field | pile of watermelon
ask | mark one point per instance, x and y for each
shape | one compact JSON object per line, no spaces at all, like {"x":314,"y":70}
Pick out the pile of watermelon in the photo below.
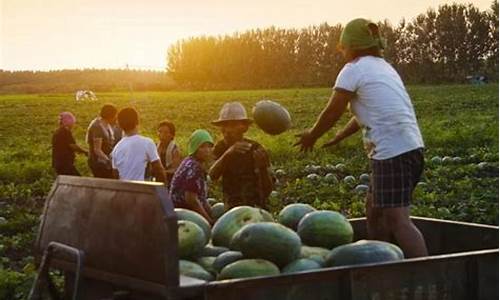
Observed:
{"x":248,"y":242}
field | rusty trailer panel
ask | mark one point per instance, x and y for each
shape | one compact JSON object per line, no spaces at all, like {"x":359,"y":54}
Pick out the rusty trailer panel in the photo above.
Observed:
{"x":128,"y":232}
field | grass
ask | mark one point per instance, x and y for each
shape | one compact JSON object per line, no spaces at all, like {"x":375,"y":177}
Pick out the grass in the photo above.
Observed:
{"x":456,"y":120}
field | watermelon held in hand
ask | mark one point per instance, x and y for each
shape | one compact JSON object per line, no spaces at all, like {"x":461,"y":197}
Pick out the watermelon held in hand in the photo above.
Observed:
{"x":248,"y":268}
{"x":271,"y":117}
{"x":363,"y":252}
{"x":325,"y":229}
{"x":191,"y":237}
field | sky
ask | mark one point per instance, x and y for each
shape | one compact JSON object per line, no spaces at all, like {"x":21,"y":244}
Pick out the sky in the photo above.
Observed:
{"x":76,"y":34}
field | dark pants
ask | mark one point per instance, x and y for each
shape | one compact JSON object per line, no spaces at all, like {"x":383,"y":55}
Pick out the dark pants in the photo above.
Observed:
{"x":67,"y":170}
{"x":100,"y":170}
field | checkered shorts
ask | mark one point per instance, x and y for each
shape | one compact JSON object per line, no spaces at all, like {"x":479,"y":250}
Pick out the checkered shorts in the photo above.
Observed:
{"x":393,"y":180}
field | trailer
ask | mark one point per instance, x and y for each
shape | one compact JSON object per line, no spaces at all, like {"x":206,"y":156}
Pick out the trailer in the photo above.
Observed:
{"x":118,"y":240}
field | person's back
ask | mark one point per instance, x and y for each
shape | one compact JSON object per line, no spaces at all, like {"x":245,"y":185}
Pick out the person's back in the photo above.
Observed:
{"x":381,"y":105}
{"x":131,"y":155}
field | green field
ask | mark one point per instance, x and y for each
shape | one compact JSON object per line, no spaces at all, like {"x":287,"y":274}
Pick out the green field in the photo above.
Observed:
{"x":456,"y":120}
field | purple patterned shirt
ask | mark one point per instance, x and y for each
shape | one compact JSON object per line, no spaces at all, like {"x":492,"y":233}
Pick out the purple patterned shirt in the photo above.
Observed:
{"x":189,"y":177}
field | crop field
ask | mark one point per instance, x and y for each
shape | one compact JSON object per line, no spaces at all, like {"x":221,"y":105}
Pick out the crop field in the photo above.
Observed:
{"x":458,"y":121}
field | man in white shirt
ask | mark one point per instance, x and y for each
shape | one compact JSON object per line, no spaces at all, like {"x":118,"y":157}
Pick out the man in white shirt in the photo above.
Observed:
{"x":383,"y":110}
{"x":131,"y":155}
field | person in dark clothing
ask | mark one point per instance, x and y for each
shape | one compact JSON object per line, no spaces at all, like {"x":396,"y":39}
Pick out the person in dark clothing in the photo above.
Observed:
{"x":101,"y":140}
{"x":64,"y":146}
{"x":242,"y":163}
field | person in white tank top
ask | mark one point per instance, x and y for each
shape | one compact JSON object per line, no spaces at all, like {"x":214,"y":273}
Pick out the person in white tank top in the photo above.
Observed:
{"x":382,"y":109}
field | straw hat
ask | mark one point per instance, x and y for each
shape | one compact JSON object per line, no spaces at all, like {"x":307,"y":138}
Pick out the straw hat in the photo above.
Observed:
{"x":232,"y":111}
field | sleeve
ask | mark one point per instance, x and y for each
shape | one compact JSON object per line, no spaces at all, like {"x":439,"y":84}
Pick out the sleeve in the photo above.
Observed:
{"x":151,"y":151}
{"x":348,"y":79}
{"x":113,"y":159}
{"x":96,"y":131}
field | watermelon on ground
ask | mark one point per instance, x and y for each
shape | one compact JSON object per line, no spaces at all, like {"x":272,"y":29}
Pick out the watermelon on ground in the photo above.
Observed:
{"x":291,"y":214}
{"x":191,"y":269}
{"x":191,"y":237}
{"x":189,"y":215}
{"x":232,"y":221}
{"x":363,"y":252}
{"x":248,"y":268}
{"x":270,"y":241}
{"x":324,"y":228}
{"x":271,"y":117}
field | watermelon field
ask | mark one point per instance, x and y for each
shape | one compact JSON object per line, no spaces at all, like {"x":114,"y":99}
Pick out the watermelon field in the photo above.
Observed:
{"x":459,"y":124}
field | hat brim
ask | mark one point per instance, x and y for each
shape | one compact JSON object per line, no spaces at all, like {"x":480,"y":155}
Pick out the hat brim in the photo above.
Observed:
{"x":222,"y":122}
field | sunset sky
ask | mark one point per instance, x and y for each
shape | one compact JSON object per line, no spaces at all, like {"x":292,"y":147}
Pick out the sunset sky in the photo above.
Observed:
{"x":69,"y":34}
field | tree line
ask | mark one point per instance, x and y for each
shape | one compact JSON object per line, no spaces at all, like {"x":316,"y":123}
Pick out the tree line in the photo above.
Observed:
{"x":438,"y":46}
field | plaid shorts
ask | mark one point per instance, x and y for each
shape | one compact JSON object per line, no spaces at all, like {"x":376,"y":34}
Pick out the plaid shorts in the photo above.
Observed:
{"x":393,"y":180}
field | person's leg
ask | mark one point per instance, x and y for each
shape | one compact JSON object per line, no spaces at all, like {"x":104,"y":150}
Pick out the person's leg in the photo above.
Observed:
{"x":408,"y":237}
{"x":375,"y":224}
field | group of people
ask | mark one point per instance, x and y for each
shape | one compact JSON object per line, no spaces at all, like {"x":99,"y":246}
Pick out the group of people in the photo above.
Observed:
{"x":118,"y":151}
{"x":367,"y":85}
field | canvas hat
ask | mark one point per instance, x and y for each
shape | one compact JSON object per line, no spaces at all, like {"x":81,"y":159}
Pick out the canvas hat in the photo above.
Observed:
{"x":232,"y":111}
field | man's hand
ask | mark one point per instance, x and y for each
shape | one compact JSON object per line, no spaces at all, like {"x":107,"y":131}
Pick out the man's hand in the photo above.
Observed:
{"x":306,"y":141}
{"x":261,"y":159}
{"x":240,"y":147}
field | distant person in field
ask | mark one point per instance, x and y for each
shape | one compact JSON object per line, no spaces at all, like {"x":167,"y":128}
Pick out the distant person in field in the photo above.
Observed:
{"x":168,"y":150}
{"x":101,"y":140}
{"x":189,"y":185}
{"x":243,"y":164}
{"x":134,"y":151}
{"x":64,"y":146}
{"x":383,"y":110}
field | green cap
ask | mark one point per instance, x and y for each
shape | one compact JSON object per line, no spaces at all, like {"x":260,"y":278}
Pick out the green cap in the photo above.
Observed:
{"x":197,"y":139}
{"x":361,"y":34}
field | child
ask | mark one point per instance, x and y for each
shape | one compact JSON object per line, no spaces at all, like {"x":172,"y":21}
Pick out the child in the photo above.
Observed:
{"x":131,"y":155}
{"x":189,"y":185}
{"x":170,"y":155}
{"x":64,"y":146}
{"x":242,"y":163}
{"x":391,"y":136}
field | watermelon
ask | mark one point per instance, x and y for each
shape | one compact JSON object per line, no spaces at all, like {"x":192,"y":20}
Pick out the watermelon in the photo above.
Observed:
{"x":212,"y":201}
{"x":189,"y":215}
{"x":364,"y":178}
{"x":436,"y":160}
{"x":317,"y":254}
{"x":191,"y":269}
{"x":361,"y":189}
{"x":230,"y":222}
{"x":363,"y":252}
{"x":268,"y":217}
{"x":211,"y":250}
{"x":301,"y":264}
{"x":218,"y":210}
{"x":226,"y":258}
{"x":349,"y":179}
{"x":271,"y":117}
{"x":248,"y":268}
{"x":291,"y":214}
{"x":270,"y":241}
{"x":191,"y":237}
{"x":331,"y":178}
{"x":325,"y":229}
{"x":207,"y":263}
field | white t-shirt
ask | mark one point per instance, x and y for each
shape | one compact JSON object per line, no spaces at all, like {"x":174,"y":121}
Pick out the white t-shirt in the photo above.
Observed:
{"x":131,"y":155}
{"x":381,"y":106}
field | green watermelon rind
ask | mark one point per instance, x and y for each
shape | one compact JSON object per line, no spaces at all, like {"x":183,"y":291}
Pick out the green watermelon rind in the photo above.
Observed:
{"x":247,"y":268}
{"x":363,"y":252}
{"x":194,"y":270}
{"x":191,"y":238}
{"x":301,"y":265}
{"x":291,"y":214}
{"x":189,"y":215}
{"x":326,"y":229}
